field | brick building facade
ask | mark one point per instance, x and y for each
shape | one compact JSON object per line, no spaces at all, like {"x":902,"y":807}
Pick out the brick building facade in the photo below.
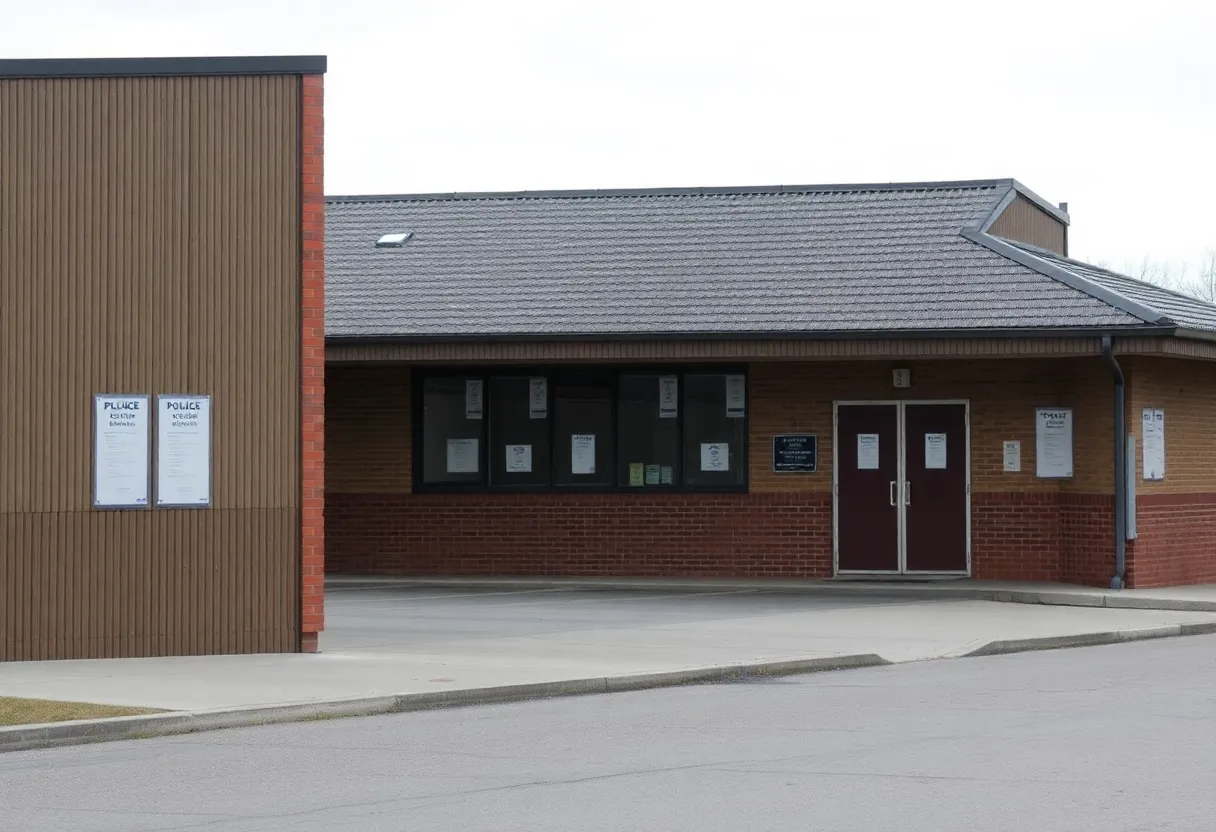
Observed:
{"x":816,"y":297}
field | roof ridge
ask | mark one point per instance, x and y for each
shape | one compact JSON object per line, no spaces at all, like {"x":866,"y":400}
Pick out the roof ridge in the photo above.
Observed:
{"x":729,"y":190}
{"x":1037,"y":262}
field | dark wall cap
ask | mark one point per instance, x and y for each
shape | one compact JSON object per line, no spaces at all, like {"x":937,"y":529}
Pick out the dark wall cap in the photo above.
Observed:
{"x":153,"y":67}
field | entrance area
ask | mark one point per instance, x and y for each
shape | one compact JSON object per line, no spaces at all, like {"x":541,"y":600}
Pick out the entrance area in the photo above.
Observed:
{"x":902,"y":487}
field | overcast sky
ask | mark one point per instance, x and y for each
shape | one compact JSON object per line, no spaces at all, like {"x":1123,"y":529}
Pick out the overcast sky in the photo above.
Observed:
{"x":1110,"y":106}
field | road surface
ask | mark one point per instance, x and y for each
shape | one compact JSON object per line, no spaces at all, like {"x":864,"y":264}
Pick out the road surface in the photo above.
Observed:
{"x":1107,"y":738}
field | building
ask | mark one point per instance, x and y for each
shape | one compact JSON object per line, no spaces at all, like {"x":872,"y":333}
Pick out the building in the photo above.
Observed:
{"x":759,"y":382}
{"x":161,"y":356}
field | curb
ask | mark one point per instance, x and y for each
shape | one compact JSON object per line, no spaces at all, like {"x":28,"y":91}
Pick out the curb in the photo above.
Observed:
{"x":49,"y":735}
{"x":1025,"y":645}
{"x":895,"y":589}
{"x":26,"y":737}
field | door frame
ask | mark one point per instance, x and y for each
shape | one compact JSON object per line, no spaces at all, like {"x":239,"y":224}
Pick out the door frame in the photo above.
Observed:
{"x":901,"y":460}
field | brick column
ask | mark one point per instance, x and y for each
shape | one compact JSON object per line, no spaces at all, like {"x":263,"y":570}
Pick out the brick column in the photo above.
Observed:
{"x":312,"y":374}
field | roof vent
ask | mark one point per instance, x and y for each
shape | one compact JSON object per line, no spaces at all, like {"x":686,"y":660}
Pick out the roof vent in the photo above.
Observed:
{"x":395,"y":240}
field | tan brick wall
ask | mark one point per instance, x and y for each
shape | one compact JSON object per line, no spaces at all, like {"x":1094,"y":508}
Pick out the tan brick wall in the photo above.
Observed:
{"x":794,"y":397}
{"x":1186,"y":390}
{"x":368,"y":421}
{"x":367,"y":430}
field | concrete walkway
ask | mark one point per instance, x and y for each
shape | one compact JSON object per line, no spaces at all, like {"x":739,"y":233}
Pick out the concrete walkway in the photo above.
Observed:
{"x":1201,"y":597}
{"x":395,"y":646}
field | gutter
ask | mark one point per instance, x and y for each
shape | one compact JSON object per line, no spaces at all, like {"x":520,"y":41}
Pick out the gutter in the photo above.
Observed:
{"x":1108,"y":353}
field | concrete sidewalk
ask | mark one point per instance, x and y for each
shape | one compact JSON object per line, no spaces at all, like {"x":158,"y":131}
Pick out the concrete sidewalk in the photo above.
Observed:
{"x":1197,"y":598}
{"x":394,"y":647}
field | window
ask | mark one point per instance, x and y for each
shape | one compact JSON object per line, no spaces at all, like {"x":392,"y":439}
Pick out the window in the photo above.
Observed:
{"x":714,"y":429}
{"x":519,"y":431}
{"x":648,"y":431}
{"x":452,"y":409}
{"x":582,"y":432}
{"x":591,"y":428}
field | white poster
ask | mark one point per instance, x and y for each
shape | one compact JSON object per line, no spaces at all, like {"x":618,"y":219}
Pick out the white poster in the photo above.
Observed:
{"x":582,"y":453}
{"x":120,"y":451}
{"x":1013,"y":456}
{"x":666,"y":475}
{"x":669,"y":397}
{"x":463,"y":456}
{"x":473,"y":398}
{"x":1152,"y":429}
{"x":867,"y":452}
{"x":935,"y":450}
{"x":538,"y":398}
{"x":519,"y":459}
{"x":1053,"y":442}
{"x":183,"y":450}
{"x":736,"y":397}
{"x":715,"y":456}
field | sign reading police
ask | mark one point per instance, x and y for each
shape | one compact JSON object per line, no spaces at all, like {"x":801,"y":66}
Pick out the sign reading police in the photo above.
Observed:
{"x":183,"y":451}
{"x":120,"y":451}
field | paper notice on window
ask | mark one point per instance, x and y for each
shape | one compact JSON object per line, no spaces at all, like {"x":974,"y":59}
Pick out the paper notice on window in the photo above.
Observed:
{"x":463,"y":456}
{"x":669,"y":397}
{"x":652,"y":474}
{"x":582,"y":453}
{"x":715,"y":456}
{"x":519,"y":459}
{"x":935,"y":450}
{"x":1013,"y":456}
{"x":666,"y":475}
{"x":867,"y":452}
{"x":473,"y":398}
{"x":736,"y":397}
{"x":538,"y":398}
{"x":183,"y":451}
{"x":1152,"y":429}
{"x":1053,"y":442}
{"x":120,"y":451}
{"x":636,"y":472}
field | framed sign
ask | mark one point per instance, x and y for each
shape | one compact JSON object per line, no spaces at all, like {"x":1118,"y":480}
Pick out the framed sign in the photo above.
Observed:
{"x":796,"y":453}
{"x":120,"y":451}
{"x":183,"y":451}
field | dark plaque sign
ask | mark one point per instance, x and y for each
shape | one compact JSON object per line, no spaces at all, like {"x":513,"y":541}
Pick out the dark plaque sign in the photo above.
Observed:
{"x":795,"y":453}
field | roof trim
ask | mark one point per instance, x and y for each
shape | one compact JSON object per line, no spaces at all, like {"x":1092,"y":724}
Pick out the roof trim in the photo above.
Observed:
{"x":156,"y":67}
{"x":962,"y":184}
{"x":1073,"y":281}
{"x":766,"y":335}
{"x":1017,"y":189}
{"x":1055,"y":210}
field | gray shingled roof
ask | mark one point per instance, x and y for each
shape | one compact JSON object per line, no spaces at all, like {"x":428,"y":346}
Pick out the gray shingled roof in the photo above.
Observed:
{"x":1182,"y":310}
{"x":776,"y":261}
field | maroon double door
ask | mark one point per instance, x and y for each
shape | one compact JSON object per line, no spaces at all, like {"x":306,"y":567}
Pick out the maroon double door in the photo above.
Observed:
{"x":901,"y":487}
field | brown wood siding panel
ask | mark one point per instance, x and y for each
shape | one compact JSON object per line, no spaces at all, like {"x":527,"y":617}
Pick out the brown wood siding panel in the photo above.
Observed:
{"x":713,"y":350}
{"x":1026,"y":222}
{"x":150,"y":231}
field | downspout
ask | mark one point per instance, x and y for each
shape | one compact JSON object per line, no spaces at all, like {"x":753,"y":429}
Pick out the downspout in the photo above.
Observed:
{"x":1108,"y":353}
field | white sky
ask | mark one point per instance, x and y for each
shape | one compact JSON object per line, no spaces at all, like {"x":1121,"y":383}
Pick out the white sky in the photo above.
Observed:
{"x":1110,"y":106}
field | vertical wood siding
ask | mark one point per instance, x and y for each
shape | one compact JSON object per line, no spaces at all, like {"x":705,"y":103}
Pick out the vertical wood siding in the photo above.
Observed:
{"x":149,"y":243}
{"x":1028,"y":223}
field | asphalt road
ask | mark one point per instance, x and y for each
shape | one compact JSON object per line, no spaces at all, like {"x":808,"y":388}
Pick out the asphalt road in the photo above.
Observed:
{"x":1108,"y":738}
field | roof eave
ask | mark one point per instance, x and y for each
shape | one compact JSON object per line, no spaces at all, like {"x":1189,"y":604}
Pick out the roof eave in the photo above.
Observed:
{"x":779,"y":335}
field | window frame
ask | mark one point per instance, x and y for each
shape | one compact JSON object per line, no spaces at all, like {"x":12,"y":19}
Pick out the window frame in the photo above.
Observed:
{"x":557,"y":374}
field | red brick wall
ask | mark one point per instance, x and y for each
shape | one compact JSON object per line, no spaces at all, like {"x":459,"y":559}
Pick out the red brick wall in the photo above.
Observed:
{"x":704,"y":535}
{"x":1176,"y":541}
{"x":1087,"y":538}
{"x":1016,"y":536}
{"x":312,"y":373}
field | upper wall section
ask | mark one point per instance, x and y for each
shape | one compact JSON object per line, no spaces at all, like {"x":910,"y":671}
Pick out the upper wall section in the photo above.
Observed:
{"x":1026,"y":222}
{"x":150,"y":230}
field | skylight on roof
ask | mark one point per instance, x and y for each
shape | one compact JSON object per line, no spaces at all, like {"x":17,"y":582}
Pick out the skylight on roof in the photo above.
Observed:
{"x":394,"y":240}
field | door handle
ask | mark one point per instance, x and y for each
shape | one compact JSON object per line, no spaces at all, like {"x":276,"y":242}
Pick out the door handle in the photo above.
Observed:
{"x":893,"y":484}
{"x":907,"y":493}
